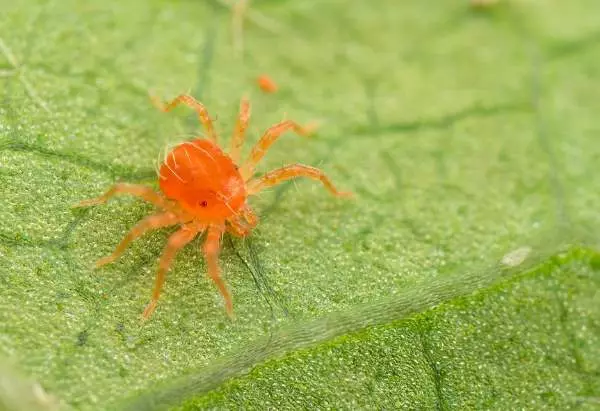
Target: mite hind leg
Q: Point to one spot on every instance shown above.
(136, 190)
(149, 223)
(292, 171)
(177, 241)
(212, 246)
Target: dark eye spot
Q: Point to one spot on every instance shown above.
(203, 203)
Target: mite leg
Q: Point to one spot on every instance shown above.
(146, 193)
(177, 241)
(194, 104)
(292, 171)
(237, 140)
(241, 225)
(212, 246)
(250, 217)
(244, 222)
(267, 139)
(147, 224)
(236, 228)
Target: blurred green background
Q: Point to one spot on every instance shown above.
(464, 275)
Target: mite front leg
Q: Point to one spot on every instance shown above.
(250, 217)
(136, 190)
(266, 141)
(194, 104)
(292, 171)
(242, 224)
(237, 228)
(177, 241)
(147, 224)
(239, 134)
(212, 247)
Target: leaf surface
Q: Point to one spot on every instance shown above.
(464, 273)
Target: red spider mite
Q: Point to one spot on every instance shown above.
(266, 84)
(204, 190)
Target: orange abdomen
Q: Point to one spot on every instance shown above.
(204, 180)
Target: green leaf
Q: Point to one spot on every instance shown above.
(464, 273)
